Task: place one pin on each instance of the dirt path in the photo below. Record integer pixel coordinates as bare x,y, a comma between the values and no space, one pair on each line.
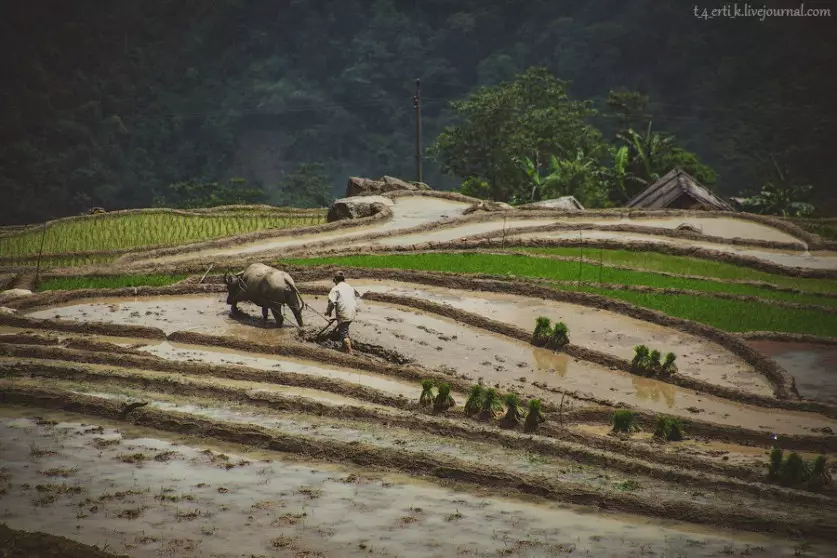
188,503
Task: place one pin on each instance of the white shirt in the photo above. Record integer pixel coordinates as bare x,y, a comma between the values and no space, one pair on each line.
342,297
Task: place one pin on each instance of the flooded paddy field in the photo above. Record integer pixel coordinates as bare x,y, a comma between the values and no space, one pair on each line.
813,366
361,452
148,494
710,226
602,330
442,344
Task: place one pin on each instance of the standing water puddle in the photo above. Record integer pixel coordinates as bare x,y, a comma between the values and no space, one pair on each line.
813,366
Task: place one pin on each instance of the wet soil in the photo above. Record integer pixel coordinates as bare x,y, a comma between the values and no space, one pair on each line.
189,504
454,233
451,347
821,259
754,458
814,366
38,544
710,226
593,328
209,355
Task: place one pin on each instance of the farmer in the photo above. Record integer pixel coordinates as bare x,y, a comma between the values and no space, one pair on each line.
342,298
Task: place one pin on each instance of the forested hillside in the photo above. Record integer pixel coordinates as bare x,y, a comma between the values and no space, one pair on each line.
110,103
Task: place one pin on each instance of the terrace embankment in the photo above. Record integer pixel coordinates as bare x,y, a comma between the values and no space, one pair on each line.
184,498
407,212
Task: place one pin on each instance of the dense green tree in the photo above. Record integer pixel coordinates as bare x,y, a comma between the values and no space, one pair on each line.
192,194
109,103
533,114
307,186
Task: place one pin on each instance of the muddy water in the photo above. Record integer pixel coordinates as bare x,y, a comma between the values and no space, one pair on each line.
454,233
439,343
254,388
752,457
601,330
814,260
180,352
721,227
442,343
406,213
813,366
710,226
199,313
246,509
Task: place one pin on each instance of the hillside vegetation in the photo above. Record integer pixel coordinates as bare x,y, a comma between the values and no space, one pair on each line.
130,104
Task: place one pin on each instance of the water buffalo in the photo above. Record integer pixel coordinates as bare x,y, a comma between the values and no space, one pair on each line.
267,287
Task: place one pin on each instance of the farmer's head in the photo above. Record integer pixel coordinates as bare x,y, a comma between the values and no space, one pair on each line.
234,286
339,277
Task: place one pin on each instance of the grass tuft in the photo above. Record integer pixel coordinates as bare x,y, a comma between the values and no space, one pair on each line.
669,429
534,417
624,421
108,282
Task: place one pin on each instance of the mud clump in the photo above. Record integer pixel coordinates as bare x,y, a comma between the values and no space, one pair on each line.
42,545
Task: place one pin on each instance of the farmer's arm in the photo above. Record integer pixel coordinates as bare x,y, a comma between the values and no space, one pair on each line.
332,300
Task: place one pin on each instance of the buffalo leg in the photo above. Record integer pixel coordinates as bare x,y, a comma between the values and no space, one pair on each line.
277,314
264,313
298,315
234,308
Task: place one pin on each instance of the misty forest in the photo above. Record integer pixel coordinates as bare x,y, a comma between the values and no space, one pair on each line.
188,104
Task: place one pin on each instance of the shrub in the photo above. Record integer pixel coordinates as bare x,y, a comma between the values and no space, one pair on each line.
443,400
474,402
513,416
640,361
647,362
426,397
668,366
490,404
794,470
560,336
654,363
534,416
776,455
669,429
819,474
543,329
624,421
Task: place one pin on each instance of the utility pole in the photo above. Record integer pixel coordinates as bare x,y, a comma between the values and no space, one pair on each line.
417,107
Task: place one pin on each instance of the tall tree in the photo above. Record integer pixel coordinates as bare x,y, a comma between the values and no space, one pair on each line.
530,115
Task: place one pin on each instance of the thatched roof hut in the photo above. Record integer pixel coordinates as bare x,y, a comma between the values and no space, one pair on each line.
678,190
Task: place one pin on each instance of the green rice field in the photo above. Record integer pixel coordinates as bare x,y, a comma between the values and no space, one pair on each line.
139,230
109,282
729,315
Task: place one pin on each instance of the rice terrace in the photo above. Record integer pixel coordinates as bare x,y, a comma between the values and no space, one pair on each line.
523,381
